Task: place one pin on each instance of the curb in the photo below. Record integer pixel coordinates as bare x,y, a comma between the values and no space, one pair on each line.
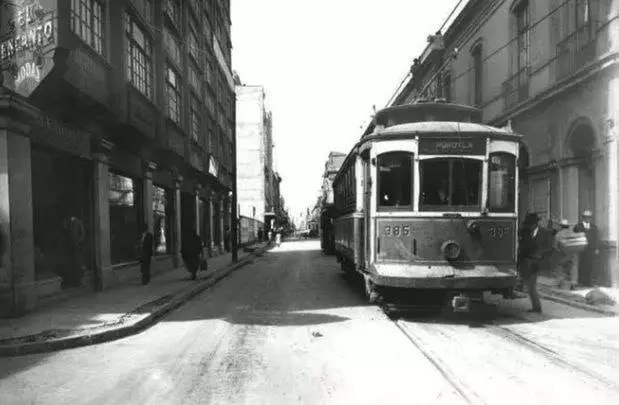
129,329
553,297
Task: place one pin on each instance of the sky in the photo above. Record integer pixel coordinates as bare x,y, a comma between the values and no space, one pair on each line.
324,64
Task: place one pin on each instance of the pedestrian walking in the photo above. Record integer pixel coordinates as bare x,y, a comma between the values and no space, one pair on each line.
588,257
227,238
146,254
567,245
75,235
534,246
191,251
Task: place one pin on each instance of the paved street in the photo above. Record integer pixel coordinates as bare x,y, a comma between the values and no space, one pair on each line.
289,329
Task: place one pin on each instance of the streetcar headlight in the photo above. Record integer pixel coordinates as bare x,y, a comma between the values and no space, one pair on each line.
451,250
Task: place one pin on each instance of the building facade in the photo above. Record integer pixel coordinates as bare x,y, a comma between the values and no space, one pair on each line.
550,70
114,116
258,184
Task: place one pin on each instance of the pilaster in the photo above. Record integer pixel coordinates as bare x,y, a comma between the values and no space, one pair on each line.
18,290
197,207
222,232
102,248
147,192
178,181
211,206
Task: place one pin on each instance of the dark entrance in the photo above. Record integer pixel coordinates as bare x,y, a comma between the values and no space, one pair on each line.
62,216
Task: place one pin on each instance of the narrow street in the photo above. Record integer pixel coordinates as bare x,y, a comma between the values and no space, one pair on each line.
290,329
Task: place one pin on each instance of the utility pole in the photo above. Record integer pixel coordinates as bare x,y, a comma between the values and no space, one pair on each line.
234,228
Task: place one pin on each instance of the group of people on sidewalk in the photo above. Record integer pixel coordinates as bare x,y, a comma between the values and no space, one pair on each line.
574,249
192,252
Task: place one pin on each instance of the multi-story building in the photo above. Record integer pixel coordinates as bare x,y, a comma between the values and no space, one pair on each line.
257,183
114,116
550,69
332,165
325,203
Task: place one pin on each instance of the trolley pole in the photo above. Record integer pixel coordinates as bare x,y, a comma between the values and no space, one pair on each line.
234,227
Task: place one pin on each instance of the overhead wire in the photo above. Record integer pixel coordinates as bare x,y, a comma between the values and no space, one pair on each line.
408,74
507,44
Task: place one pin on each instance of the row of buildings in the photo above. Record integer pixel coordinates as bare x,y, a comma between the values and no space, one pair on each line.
551,69
115,116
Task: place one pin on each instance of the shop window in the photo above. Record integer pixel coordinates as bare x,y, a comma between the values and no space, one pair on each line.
395,180
502,182
449,184
125,211
162,224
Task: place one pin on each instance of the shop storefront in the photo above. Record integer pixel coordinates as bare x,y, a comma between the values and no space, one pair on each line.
62,216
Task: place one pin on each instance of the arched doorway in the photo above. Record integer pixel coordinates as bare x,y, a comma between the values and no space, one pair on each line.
582,144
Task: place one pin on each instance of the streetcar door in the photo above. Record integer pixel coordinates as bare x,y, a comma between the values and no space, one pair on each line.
367,217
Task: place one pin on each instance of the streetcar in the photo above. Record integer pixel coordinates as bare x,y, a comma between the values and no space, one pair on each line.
426,205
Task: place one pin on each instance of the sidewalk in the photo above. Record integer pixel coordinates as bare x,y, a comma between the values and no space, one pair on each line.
112,314
577,298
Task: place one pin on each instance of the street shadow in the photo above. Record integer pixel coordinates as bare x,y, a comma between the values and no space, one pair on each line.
275,318
294,287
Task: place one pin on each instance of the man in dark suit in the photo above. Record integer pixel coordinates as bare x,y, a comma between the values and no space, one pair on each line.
588,257
146,254
535,243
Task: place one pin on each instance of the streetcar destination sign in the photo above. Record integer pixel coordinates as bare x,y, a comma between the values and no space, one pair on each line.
452,146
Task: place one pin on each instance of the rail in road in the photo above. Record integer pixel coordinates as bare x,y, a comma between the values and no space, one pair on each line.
483,358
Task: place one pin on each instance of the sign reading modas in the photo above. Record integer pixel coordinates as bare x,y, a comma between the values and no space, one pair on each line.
23,49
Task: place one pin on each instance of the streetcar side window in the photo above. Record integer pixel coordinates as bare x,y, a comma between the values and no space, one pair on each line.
502,182
449,184
395,180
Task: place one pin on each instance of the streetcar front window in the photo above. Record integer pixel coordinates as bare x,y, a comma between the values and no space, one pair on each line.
395,180
502,182
450,184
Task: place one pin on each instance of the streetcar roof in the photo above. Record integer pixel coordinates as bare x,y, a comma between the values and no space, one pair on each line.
443,129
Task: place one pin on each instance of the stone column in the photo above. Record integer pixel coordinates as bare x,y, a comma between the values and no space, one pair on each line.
222,232
198,217
147,195
211,221
18,289
102,248
178,261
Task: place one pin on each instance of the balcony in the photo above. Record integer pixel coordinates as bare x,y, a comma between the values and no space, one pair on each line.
576,50
516,88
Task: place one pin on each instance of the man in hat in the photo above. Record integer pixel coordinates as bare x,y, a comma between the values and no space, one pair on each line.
588,257
534,245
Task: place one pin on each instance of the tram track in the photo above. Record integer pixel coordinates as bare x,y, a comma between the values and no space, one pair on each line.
420,333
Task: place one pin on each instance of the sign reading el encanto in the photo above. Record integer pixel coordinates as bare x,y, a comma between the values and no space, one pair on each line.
22,49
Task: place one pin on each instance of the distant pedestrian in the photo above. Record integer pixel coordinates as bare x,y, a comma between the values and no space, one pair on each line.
146,254
534,245
260,234
227,238
191,251
588,257
75,234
